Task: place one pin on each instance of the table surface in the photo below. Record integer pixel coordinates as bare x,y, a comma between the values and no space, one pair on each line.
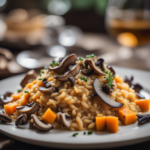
139,60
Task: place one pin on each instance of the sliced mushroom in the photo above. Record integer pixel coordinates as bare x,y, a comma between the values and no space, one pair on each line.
98,71
4,100
21,120
112,70
71,73
44,81
137,87
40,125
128,81
5,118
107,89
64,121
29,110
143,120
140,96
30,104
71,80
48,84
59,109
87,71
100,63
107,98
49,90
93,95
70,60
31,75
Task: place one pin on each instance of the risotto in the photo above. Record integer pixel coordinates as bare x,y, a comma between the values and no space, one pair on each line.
75,94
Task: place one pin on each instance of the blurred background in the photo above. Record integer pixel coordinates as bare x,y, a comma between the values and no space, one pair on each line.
35,32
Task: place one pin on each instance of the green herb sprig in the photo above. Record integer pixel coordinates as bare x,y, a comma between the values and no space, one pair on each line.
26,91
54,63
39,78
42,71
90,56
19,91
80,58
83,78
109,78
75,134
90,132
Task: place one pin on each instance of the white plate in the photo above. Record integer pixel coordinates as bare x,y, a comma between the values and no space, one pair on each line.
63,139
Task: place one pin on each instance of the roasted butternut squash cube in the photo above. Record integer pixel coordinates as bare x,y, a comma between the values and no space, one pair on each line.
112,124
40,83
29,85
100,123
25,99
10,108
49,116
144,104
126,116
16,96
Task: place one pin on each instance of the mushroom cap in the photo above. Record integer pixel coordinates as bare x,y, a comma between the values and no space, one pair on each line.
5,100
64,121
70,60
98,71
87,71
112,70
71,80
40,125
49,90
21,120
31,75
71,73
4,117
28,110
108,99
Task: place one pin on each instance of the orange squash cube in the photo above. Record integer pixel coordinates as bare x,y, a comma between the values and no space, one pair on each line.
49,116
10,108
25,99
112,124
29,85
16,96
126,116
34,81
144,104
118,79
40,83
50,79
100,123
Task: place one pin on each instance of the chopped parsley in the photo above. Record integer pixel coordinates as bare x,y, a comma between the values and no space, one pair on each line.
83,78
90,132
26,91
84,133
40,75
90,56
19,91
39,78
75,134
109,78
42,71
80,58
54,64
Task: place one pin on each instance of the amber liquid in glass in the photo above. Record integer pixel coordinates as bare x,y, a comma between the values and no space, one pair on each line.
130,33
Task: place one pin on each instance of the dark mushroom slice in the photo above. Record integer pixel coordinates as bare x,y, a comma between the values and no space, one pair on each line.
64,120
129,80
140,96
98,71
93,95
70,60
71,73
40,125
4,100
107,89
48,84
71,80
31,75
30,104
143,115
100,63
49,90
105,97
112,70
29,110
59,109
137,87
21,120
5,118
87,71
44,81
143,120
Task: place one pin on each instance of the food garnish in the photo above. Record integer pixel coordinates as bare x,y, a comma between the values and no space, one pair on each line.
80,58
75,134
83,78
90,56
